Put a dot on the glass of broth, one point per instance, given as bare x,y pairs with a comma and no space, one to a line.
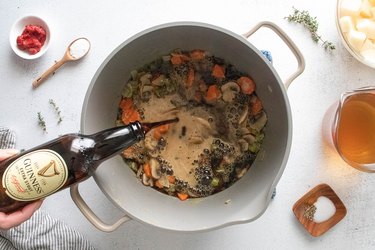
349,126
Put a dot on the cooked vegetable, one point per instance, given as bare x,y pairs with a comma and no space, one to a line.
190,78
147,170
218,71
247,85
158,184
197,54
182,196
221,126
256,106
177,59
171,179
213,93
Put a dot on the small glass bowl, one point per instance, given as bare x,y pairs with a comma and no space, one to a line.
17,30
346,43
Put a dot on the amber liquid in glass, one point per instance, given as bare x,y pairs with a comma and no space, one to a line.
356,129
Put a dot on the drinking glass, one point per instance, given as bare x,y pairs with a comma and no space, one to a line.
349,127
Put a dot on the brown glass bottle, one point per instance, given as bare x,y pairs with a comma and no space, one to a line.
57,164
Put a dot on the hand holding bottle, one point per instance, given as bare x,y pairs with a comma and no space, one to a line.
14,219
57,164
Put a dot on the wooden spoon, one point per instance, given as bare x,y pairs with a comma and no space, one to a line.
72,53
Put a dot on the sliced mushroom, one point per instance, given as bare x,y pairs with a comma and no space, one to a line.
230,89
159,81
232,86
195,139
228,96
249,138
151,182
153,153
166,58
241,173
164,181
150,143
244,130
172,111
145,180
139,171
192,194
145,79
155,168
244,116
147,88
244,145
203,122
259,124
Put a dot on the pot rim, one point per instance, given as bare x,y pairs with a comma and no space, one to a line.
282,165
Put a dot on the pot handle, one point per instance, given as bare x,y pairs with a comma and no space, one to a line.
90,215
292,46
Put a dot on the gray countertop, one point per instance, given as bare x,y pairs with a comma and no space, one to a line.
109,23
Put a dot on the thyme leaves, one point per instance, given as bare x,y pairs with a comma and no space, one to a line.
311,23
57,110
41,122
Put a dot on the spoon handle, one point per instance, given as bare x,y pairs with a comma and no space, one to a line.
49,71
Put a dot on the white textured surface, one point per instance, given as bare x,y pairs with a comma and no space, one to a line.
109,23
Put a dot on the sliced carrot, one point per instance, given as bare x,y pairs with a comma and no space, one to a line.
256,106
197,54
190,78
158,184
213,93
129,116
177,59
171,179
182,196
198,96
157,134
247,85
160,130
163,128
128,152
126,103
218,71
147,170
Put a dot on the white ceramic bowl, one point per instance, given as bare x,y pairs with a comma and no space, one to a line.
17,30
355,53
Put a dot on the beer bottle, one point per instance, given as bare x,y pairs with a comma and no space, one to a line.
57,164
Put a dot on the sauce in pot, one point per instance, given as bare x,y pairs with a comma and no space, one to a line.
220,129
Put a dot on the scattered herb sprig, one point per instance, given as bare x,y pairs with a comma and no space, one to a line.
311,23
57,110
41,122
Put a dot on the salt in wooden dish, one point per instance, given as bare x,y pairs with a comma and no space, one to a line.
304,210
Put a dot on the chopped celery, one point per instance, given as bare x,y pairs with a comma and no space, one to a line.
134,75
128,91
215,182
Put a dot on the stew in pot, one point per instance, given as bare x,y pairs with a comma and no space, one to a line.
220,130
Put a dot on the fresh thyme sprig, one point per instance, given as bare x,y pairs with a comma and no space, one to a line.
57,109
311,23
41,122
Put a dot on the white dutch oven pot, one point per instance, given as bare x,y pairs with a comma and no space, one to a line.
244,201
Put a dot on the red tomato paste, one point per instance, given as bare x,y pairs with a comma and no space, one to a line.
32,39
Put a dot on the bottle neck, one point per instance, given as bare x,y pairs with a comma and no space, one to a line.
112,141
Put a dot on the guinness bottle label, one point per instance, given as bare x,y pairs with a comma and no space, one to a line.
35,175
